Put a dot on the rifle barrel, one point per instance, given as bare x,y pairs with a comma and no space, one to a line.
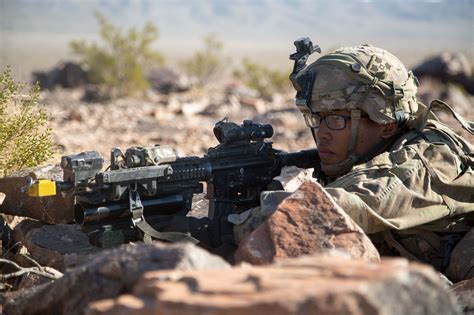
302,159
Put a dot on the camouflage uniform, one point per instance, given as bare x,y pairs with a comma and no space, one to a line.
415,195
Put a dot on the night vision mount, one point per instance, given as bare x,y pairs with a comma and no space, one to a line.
303,83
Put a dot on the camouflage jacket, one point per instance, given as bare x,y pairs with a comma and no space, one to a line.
424,181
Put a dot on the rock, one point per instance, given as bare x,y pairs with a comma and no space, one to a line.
200,206
289,126
54,209
448,67
306,285
109,274
292,177
461,265
432,88
187,108
71,75
60,246
166,81
66,75
74,115
464,292
307,222
289,118
252,103
445,64
192,108
94,93
239,90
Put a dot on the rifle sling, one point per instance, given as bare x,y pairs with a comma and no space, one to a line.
145,227
138,219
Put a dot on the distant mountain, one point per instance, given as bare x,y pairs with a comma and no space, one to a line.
251,26
242,19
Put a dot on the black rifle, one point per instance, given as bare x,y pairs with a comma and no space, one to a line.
143,184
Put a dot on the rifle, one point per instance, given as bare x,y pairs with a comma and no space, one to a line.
145,183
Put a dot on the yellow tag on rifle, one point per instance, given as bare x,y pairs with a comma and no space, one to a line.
42,188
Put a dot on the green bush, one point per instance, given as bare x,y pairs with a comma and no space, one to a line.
264,80
118,64
25,139
205,64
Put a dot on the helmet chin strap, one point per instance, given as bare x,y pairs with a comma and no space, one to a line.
343,167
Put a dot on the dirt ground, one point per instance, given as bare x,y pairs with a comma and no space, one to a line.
184,121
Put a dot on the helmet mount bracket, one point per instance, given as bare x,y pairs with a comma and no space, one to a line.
303,83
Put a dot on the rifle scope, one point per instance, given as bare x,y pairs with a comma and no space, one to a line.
229,132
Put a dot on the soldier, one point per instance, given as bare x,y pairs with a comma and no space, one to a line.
402,176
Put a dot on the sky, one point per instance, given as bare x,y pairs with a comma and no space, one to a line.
34,34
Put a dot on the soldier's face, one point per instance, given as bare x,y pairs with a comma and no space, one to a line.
333,145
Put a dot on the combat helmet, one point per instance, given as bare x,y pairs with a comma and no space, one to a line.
361,79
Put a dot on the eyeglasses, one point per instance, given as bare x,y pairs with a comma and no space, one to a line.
333,122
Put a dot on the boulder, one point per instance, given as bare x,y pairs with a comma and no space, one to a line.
448,67
306,222
166,81
66,75
307,285
71,75
60,246
107,275
54,209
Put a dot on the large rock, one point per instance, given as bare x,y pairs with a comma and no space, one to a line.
448,67
60,246
109,274
307,222
306,285
54,209
166,81
66,75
